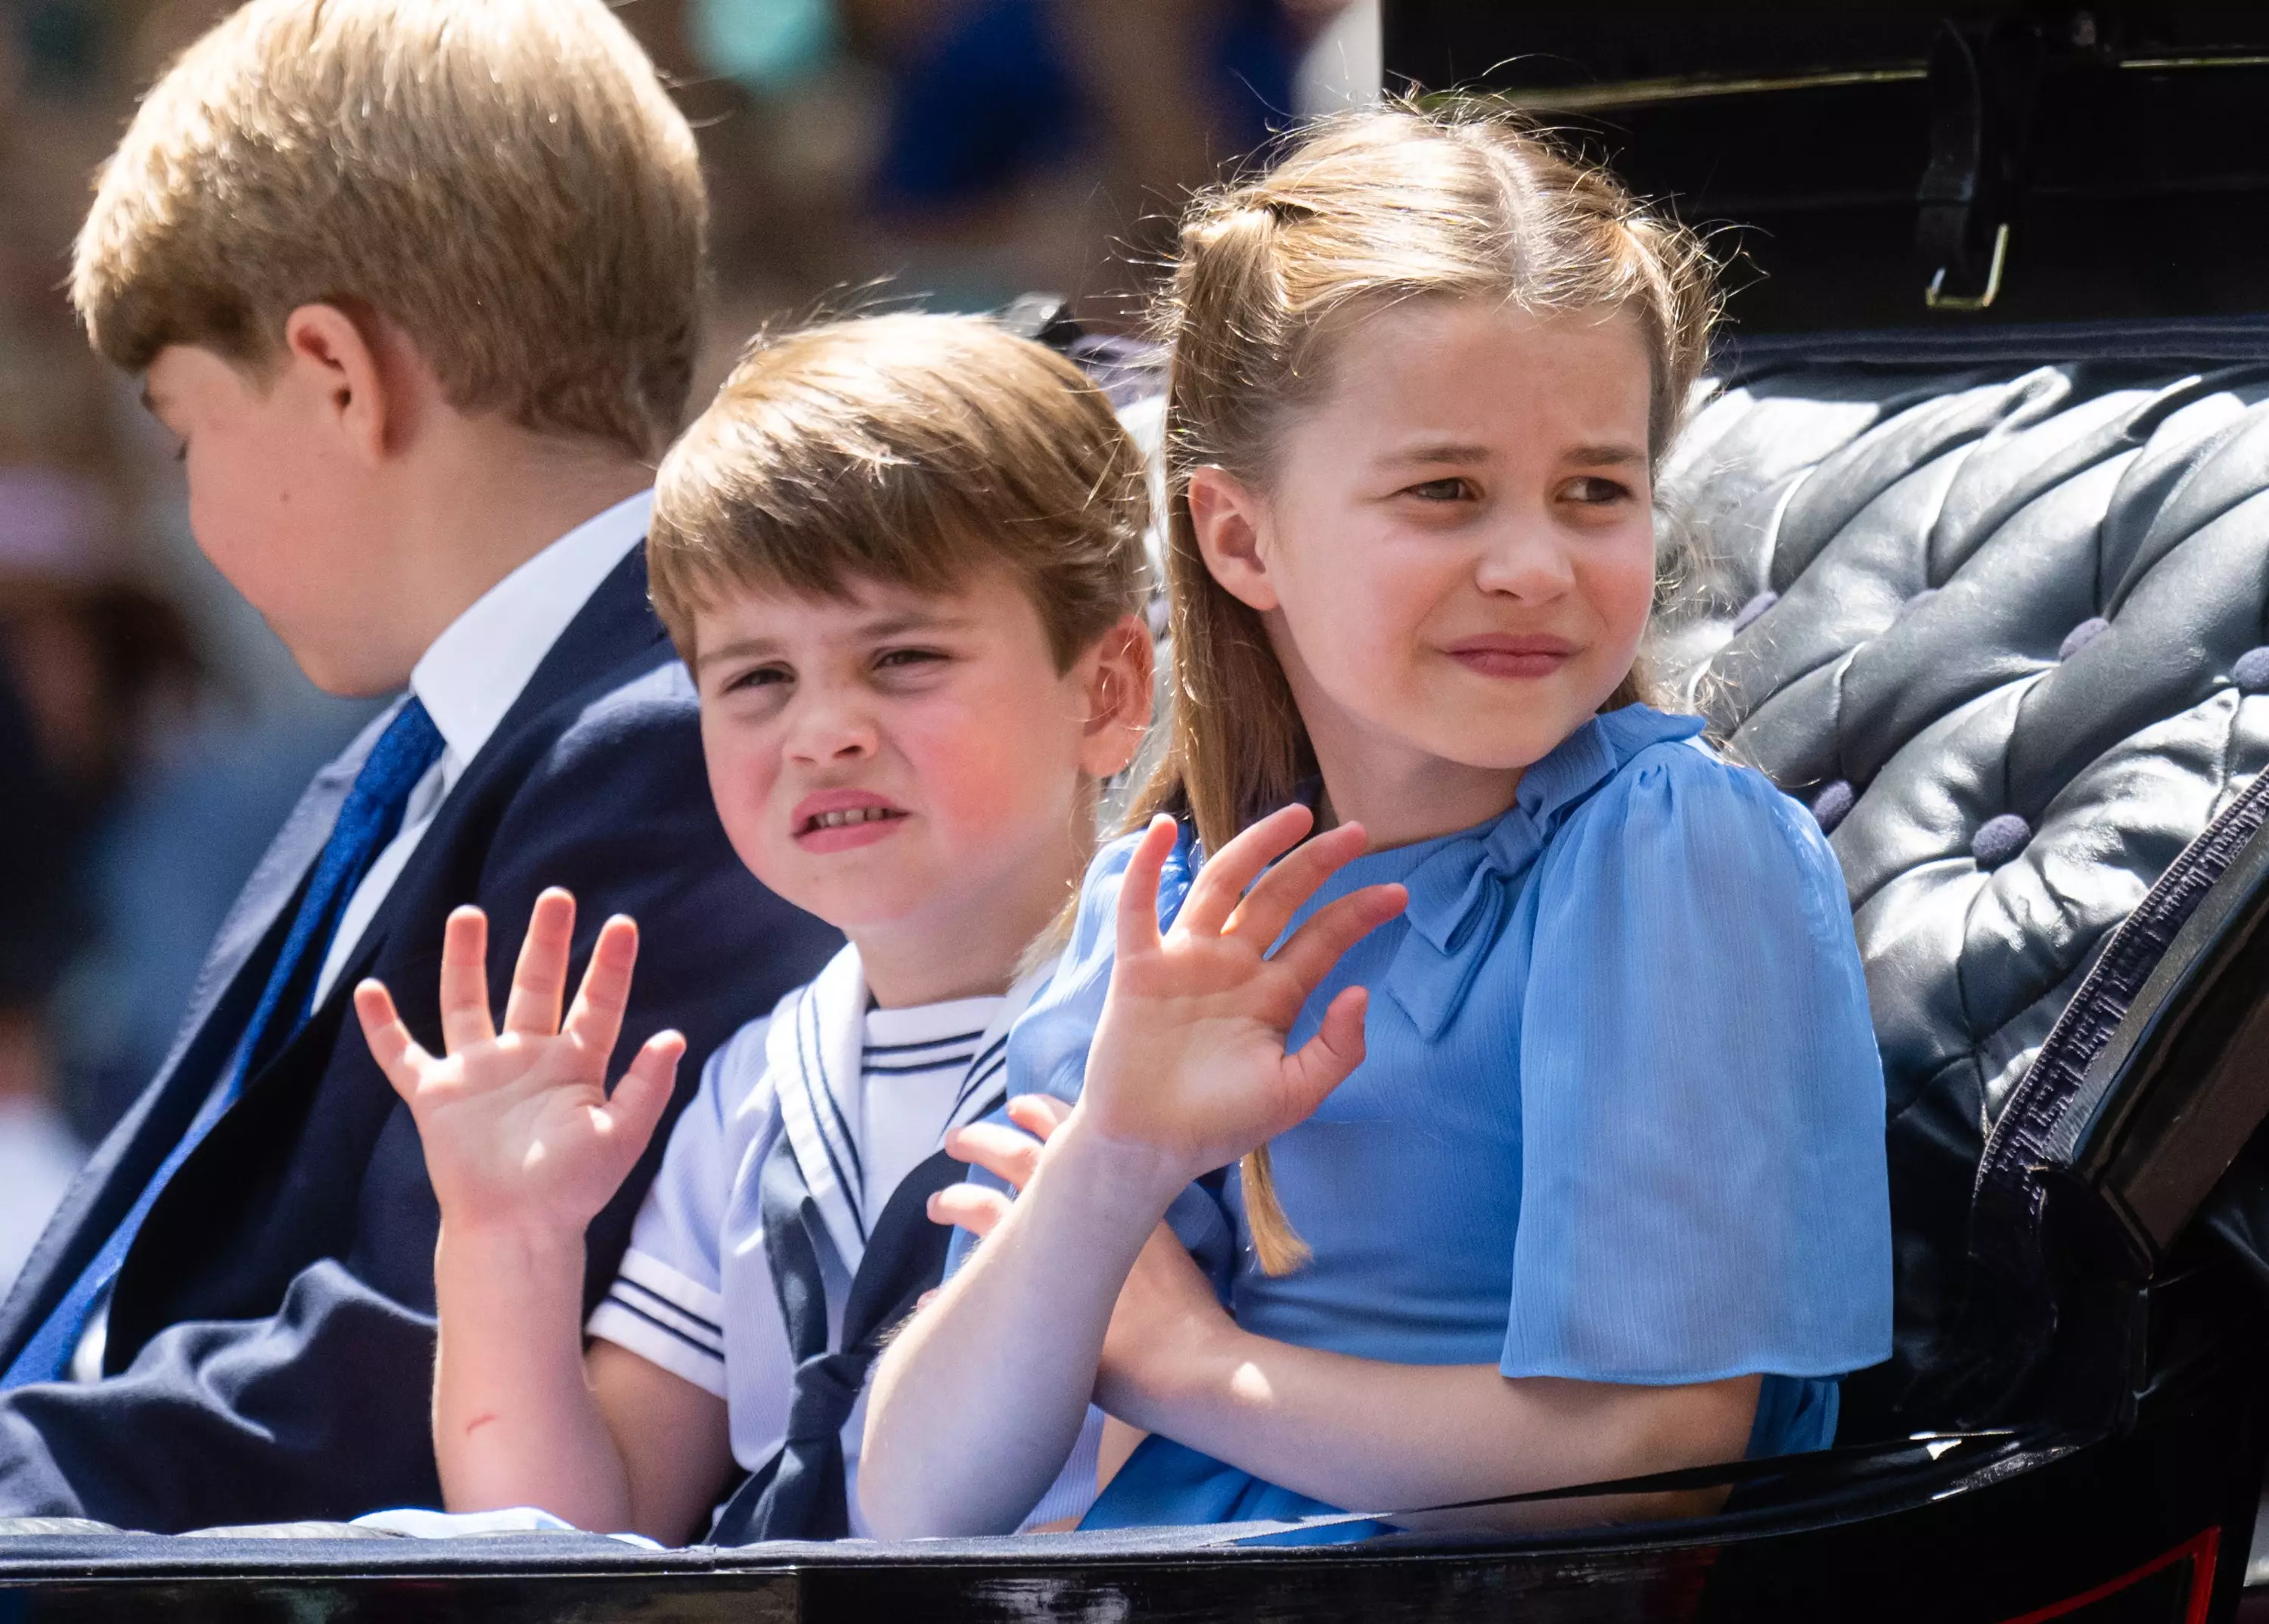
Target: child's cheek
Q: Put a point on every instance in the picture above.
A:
(741, 779)
(979, 766)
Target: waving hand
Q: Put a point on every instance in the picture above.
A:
(1189, 1057)
(519, 1128)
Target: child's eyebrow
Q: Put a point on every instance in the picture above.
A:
(1445, 452)
(913, 620)
(740, 648)
(1613, 456)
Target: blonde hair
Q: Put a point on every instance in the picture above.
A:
(505, 180)
(907, 449)
(1365, 211)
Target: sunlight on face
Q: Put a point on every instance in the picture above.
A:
(1459, 541)
(897, 757)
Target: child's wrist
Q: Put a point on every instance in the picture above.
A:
(1134, 1180)
(524, 1250)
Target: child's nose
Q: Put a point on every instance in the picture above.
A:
(1524, 556)
(833, 729)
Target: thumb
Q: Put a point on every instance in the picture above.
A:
(1326, 1060)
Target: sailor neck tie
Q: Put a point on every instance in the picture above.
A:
(368, 819)
(803, 1492)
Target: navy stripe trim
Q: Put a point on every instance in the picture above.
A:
(978, 1078)
(634, 1309)
(945, 1063)
(935, 1042)
(850, 1186)
(691, 1318)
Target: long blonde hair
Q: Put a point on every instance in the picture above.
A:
(1364, 212)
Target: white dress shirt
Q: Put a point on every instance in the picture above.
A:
(474, 673)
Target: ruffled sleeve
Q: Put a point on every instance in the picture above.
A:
(1703, 1187)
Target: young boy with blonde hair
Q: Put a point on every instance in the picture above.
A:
(417, 284)
(904, 559)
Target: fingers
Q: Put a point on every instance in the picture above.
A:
(539, 979)
(1279, 894)
(1325, 1060)
(1138, 889)
(970, 1206)
(391, 1045)
(1220, 885)
(1000, 1151)
(1335, 927)
(1039, 1115)
(596, 1020)
(643, 1094)
(465, 980)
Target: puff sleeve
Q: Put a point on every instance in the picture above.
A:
(1703, 1187)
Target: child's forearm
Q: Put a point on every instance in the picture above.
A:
(514, 1419)
(978, 1402)
(1371, 1436)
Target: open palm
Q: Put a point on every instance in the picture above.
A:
(1189, 1057)
(518, 1125)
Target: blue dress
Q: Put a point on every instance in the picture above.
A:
(1620, 1119)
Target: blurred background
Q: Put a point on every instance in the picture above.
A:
(152, 732)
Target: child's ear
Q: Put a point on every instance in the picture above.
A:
(1117, 689)
(1229, 518)
(337, 361)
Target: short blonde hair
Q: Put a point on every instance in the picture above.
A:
(505, 180)
(906, 449)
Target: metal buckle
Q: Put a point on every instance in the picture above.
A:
(1937, 298)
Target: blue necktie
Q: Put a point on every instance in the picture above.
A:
(368, 818)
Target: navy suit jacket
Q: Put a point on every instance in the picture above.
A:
(271, 1336)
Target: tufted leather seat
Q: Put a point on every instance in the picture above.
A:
(2002, 627)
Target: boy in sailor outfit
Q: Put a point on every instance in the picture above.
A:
(902, 558)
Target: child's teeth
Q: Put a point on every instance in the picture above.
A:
(854, 814)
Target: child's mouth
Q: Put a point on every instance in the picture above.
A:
(1514, 657)
(840, 828)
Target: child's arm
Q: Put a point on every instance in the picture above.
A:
(1362, 1433)
(524, 1145)
(975, 1405)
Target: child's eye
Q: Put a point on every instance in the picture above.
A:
(1451, 488)
(905, 658)
(760, 676)
(1596, 491)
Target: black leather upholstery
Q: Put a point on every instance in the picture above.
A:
(2003, 627)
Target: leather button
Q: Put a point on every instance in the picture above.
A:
(1998, 839)
(1754, 608)
(2251, 671)
(1832, 803)
(2081, 635)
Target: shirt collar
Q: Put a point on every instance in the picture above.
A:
(1460, 894)
(476, 669)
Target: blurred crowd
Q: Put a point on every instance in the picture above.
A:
(952, 152)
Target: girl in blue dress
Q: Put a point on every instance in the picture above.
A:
(1503, 1076)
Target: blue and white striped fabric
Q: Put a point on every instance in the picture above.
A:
(1622, 1116)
